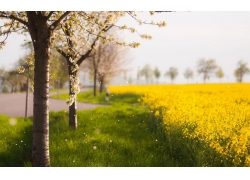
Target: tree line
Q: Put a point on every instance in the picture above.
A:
(205, 68)
(75, 35)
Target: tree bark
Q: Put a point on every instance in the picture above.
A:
(41, 38)
(101, 83)
(95, 74)
(27, 94)
(72, 109)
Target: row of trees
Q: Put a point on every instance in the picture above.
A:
(206, 68)
(75, 35)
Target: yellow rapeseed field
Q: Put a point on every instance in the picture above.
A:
(214, 115)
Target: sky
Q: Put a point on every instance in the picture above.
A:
(188, 37)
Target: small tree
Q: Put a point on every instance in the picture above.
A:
(219, 73)
(157, 74)
(3, 78)
(241, 71)
(206, 67)
(172, 73)
(105, 62)
(188, 73)
(147, 72)
(43, 27)
(138, 75)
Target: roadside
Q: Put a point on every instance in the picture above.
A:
(13, 104)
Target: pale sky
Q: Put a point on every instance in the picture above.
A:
(188, 36)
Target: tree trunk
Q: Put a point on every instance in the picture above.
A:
(27, 94)
(41, 37)
(101, 84)
(73, 107)
(58, 88)
(95, 81)
(72, 110)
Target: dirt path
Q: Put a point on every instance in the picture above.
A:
(14, 104)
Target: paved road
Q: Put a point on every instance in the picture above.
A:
(13, 104)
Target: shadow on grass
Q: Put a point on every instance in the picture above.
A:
(118, 136)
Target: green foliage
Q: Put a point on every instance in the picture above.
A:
(59, 70)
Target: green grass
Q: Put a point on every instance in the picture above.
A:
(15, 141)
(55, 90)
(122, 135)
(87, 97)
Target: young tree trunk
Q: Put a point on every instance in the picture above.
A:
(27, 94)
(95, 71)
(41, 38)
(101, 84)
(72, 109)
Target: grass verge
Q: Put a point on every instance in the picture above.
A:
(121, 135)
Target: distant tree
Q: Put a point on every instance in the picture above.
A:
(58, 69)
(130, 80)
(172, 73)
(138, 75)
(157, 74)
(105, 62)
(16, 80)
(241, 71)
(188, 73)
(3, 78)
(219, 73)
(206, 67)
(147, 72)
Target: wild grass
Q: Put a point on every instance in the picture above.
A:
(122, 135)
(88, 97)
(15, 141)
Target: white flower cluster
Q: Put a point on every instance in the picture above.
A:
(30, 61)
(70, 100)
(75, 89)
(74, 68)
(20, 69)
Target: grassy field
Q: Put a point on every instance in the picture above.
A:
(123, 135)
(170, 126)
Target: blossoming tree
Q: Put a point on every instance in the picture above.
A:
(43, 28)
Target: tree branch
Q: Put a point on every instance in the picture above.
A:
(13, 17)
(49, 15)
(58, 22)
(87, 53)
(92, 46)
